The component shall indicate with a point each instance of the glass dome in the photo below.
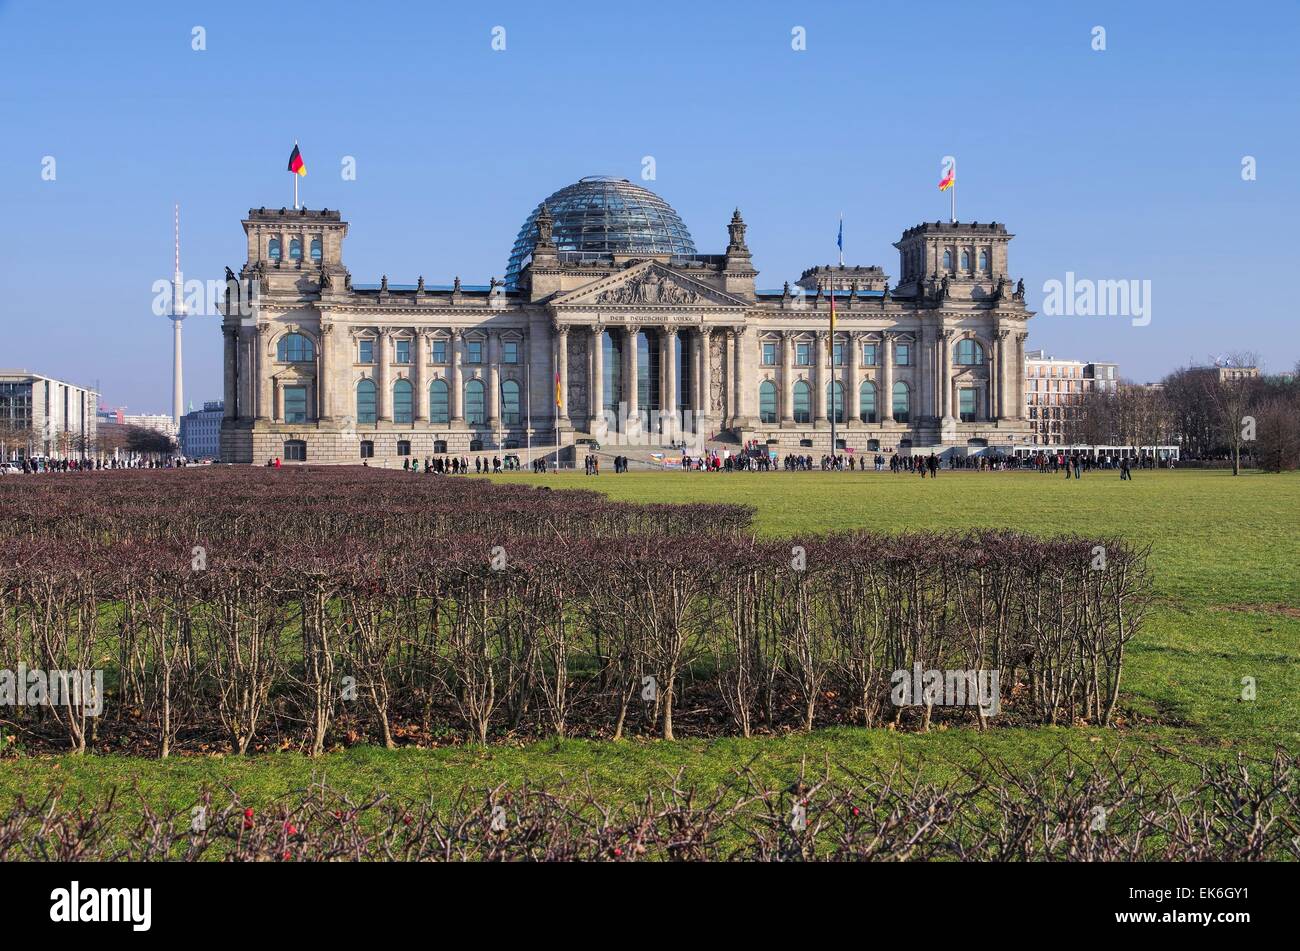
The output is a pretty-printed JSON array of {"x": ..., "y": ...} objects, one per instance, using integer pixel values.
[{"x": 600, "y": 214}]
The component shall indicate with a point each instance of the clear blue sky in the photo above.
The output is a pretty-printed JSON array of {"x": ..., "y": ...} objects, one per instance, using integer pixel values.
[{"x": 1123, "y": 164}]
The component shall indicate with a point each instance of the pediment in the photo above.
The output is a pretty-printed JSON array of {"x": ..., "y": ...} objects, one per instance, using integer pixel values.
[{"x": 649, "y": 284}]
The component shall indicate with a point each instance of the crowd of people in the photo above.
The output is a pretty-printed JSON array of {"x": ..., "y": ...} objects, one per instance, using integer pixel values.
[
  {"x": 1074, "y": 464},
  {"x": 30, "y": 466},
  {"x": 757, "y": 458}
]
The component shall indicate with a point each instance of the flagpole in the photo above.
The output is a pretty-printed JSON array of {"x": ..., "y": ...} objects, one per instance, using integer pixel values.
[
  {"x": 954, "y": 191},
  {"x": 296, "y": 176},
  {"x": 834, "y": 443}
]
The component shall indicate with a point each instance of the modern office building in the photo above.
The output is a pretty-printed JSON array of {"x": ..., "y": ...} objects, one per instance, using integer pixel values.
[
  {"x": 1055, "y": 388},
  {"x": 41, "y": 415},
  {"x": 609, "y": 324}
]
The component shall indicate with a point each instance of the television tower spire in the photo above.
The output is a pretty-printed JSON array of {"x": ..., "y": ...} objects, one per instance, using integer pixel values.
[{"x": 177, "y": 315}]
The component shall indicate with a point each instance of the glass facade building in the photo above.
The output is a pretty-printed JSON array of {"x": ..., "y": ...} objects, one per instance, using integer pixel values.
[{"x": 601, "y": 215}]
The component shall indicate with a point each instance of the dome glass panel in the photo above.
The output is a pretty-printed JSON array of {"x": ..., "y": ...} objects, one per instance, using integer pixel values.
[{"x": 602, "y": 215}]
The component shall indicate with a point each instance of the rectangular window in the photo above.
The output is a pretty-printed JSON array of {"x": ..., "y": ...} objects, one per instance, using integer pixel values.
[
  {"x": 510, "y": 351},
  {"x": 438, "y": 410},
  {"x": 967, "y": 404},
  {"x": 367, "y": 449},
  {"x": 403, "y": 447},
  {"x": 837, "y": 355},
  {"x": 474, "y": 351},
  {"x": 440, "y": 351},
  {"x": 769, "y": 354},
  {"x": 295, "y": 404},
  {"x": 903, "y": 355},
  {"x": 869, "y": 354},
  {"x": 403, "y": 351},
  {"x": 802, "y": 354},
  {"x": 366, "y": 351}
]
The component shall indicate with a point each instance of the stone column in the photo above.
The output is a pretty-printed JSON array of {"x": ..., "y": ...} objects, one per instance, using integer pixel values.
[
  {"x": 993, "y": 358},
  {"x": 494, "y": 380},
  {"x": 787, "y": 378},
  {"x": 629, "y": 394},
  {"x": 1019, "y": 374},
  {"x": 457, "y": 378},
  {"x": 596, "y": 391},
  {"x": 924, "y": 395},
  {"x": 562, "y": 367},
  {"x": 885, "y": 398},
  {"x": 325, "y": 395},
  {"x": 741, "y": 419},
  {"x": 265, "y": 407},
  {"x": 853, "y": 356},
  {"x": 231, "y": 337},
  {"x": 383, "y": 398},
  {"x": 420, "y": 375},
  {"x": 670, "y": 375},
  {"x": 704, "y": 408},
  {"x": 1005, "y": 376},
  {"x": 246, "y": 375},
  {"x": 820, "y": 381},
  {"x": 735, "y": 378},
  {"x": 945, "y": 372}
]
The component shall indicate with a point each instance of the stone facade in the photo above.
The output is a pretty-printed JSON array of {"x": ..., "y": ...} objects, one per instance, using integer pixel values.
[{"x": 322, "y": 369}]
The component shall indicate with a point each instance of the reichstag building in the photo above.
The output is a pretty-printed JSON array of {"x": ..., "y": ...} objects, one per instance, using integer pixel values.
[{"x": 610, "y": 324}]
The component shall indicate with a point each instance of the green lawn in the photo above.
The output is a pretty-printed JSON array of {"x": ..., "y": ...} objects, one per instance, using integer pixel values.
[{"x": 1226, "y": 557}]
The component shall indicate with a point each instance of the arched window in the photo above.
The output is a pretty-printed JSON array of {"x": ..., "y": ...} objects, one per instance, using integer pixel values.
[
  {"x": 984, "y": 261},
  {"x": 315, "y": 250},
  {"x": 510, "y": 411},
  {"x": 867, "y": 402},
  {"x": 969, "y": 352},
  {"x": 295, "y": 249},
  {"x": 438, "y": 408},
  {"x": 475, "y": 408},
  {"x": 947, "y": 260},
  {"x": 295, "y": 348},
  {"x": 366, "y": 401},
  {"x": 902, "y": 402},
  {"x": 767, "y": 402},
  {"x": 402, "y": 401},
  {"x": 835, "y": 401},
  {"x": 802, "y": 401},
  {"x": 273, "y": 249},
  {"x": 965, "y": 260}
]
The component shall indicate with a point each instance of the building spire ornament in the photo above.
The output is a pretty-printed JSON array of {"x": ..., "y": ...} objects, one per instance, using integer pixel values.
[
  {"x": 545, "y": 228},
  {"x": 736, "y": 230}
]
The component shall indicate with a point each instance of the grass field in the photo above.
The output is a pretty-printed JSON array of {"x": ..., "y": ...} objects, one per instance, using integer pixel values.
[{"x": 1226, "y": 559}]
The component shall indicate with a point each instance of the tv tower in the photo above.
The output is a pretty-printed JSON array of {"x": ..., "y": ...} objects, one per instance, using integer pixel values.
[{"x": 177, "y": 315}]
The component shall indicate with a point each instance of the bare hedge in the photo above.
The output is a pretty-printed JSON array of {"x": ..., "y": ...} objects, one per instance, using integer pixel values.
[{"x": 312, "y": 609}]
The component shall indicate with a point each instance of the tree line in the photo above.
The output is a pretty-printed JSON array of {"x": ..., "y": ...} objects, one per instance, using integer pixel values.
[{"x": 1223, "y": 413}]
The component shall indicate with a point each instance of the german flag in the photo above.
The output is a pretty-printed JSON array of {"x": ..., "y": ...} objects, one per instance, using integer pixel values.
[
  {"x": 949, "y": 179},
  {"x": 296, "y": 164},
  {"x": 559, "y": 393}
]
